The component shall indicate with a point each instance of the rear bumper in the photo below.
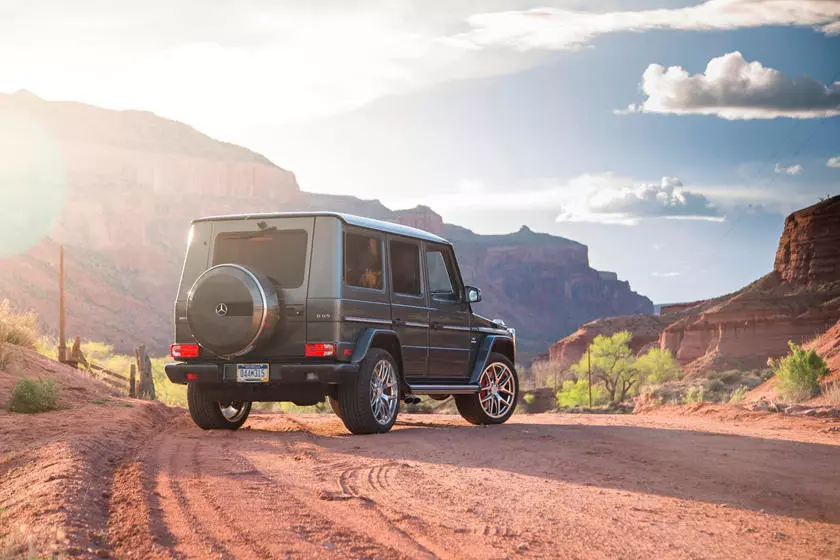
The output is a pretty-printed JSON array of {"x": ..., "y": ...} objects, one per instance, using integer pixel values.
[{"x": 279, "y": 374}]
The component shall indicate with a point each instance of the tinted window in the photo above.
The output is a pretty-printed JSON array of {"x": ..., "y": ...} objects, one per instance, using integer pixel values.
[
  {"x": 280, "y": 255},
  {"x": 441, "y": 278},
  {"x": 363, "y": 261},
  {"x": 405, "y": 268}
]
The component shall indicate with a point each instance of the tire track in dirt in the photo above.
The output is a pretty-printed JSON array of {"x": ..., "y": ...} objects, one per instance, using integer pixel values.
[{"x": 313, "y": 526}]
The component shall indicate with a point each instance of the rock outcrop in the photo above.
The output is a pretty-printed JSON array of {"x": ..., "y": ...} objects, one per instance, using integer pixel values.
[
  {"x": 798, "y": 301},
  {"x": 129, "y": 183},
  {"x": 646, "y": 330},
  {"x": 809, "y": 250}
]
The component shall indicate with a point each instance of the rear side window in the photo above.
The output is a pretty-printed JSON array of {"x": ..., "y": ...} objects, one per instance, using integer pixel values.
[
  {"x": 363, "y": 261},
  {"x": 405, "y": 268},
  {"x": 280, "y": 255}
]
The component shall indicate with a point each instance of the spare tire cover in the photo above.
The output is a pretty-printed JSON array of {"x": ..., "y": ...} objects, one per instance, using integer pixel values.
[{"x": 231, "y": 309}]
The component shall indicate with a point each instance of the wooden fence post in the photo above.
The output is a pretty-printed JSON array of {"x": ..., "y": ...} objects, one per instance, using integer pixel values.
[
  {"x": 132, "y": 392},
  {"x": 144, "y": 369}
]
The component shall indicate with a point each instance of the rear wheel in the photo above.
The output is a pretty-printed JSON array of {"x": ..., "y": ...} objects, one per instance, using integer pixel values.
[
  {"x": 496, "y": 400},
  {"x": 370, "y": 403},
  {"x": 210, "y": 414}
]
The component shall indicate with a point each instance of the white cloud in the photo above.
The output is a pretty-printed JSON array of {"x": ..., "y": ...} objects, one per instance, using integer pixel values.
[
  {"x": 558, "y": 29},
  {"x": 626, "y": 203},
  {"x": 592, "y": 197},
  {"x": 665, "y": 274},
  {"x": 790, "y": 170},
  {"x": 833, "y": 162},
  {"x": 276, "y": 62},
  {"x": 733, "y": 88}
]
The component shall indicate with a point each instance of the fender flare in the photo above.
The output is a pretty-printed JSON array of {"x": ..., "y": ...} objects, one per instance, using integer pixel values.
[
  {"x": 365, "y": 341},
  {"x": 483, "y": 356}
]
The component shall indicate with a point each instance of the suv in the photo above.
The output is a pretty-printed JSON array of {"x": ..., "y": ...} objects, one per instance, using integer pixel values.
[{"x": 302, "y": 306}]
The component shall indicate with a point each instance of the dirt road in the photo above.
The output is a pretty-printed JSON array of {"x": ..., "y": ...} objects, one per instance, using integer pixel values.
[{"x": 547, "y": 485}]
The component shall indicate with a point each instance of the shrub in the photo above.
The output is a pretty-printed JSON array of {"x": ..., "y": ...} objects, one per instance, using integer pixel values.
[
  {"x": 799, "y": 373},
  {"x": 529, "y": 398},
  {"x": 695, "y": 395},
  {"x": 738, "y": 394},
  {"x": 658, "y": 366},
  {"x": 714, "y": 386},
  {"x": 831, "y": 392},
  {"x": 576, "y": 393},
  {"x": 19, "y": 329},
  {"x": 30, "y": 396}
]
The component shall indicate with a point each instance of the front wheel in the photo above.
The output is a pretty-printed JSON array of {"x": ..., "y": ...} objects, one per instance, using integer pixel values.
[
  {"x": 210, "y": 414},
  {"x": 369, "y": 404},
  {"x": 496, "y": 399}
]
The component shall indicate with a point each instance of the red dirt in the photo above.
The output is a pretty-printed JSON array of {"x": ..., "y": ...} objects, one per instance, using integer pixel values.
[{"x": 683, "y": 482}]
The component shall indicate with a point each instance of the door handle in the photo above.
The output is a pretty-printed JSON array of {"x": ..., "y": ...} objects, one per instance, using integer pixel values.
[
  {"x": 398, "y": 322},
  {"x": 435, "y": 325}
]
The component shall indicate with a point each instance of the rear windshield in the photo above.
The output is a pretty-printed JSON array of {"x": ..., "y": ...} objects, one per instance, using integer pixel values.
[{"x": 280, "y": 255}]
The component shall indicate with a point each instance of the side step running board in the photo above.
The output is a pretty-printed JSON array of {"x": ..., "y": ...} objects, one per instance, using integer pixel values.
[{"x": 443, "y": 389}]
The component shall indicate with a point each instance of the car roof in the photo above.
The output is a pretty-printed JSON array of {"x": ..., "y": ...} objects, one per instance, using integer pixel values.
[{"x": 350, "y": 219}]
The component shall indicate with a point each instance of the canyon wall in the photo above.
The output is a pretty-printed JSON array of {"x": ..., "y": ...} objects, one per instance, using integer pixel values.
[
  {"x": 129, "y": 182},
  {"x": 798, "y": 301}
]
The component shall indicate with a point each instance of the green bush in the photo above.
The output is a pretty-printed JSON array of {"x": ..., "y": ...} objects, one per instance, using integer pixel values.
[
  {"x": 695, "y": 395},
  {"x": 799, "y": 373},
  {"x": 658, "y": 366},
  {"x": 576, "y": 393},
  {"x": 738, "y": 394},
  {"x": 714, "y": 386},
  {"x": 528, "y": 398},
  {"x": 30, "y": 396}
]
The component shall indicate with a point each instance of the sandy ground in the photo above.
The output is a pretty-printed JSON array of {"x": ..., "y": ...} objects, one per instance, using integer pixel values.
[{"x": 142, "y": 481}]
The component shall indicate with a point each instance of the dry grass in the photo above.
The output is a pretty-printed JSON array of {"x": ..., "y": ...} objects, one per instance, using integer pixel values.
[
  {"x": 831, "y": 392},
  {"x": 16, "y": 329}
]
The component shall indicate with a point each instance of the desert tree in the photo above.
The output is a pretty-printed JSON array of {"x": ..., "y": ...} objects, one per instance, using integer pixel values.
[{"x": 612, "y": 364}]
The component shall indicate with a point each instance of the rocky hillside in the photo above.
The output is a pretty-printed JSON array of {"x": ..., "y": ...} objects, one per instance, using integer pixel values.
[
  {"x": 127, "y": 183},
  {"x": 798, "y": 301}
]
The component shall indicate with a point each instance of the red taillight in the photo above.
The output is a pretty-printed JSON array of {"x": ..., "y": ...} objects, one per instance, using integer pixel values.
[
  {"x": 192, "y": 377},
  {"x": 183, "y": 351},
  {"x": 320, "y": 350}
]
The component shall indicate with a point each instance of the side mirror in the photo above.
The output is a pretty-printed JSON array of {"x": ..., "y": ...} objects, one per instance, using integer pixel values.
[{"x": 473, "y": 294}]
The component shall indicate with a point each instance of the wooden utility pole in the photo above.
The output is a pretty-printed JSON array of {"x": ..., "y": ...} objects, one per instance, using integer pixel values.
[
  {"x": 589, "y": 373},
  {"x": 62, "y": 346}
]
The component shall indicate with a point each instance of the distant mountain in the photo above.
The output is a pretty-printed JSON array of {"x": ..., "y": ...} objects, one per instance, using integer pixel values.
[{"x": 135, "y": 180}]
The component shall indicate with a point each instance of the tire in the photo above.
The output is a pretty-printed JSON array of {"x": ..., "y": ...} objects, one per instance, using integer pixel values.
[
  {"x": 208, "y": 413},
  {"x": 335, "y": 405},
  {"x": 354, "y": 398},
  {"x": 507, "y": 392}
]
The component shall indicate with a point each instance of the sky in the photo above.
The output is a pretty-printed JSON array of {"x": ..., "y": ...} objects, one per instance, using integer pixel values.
[{"x": 672, "y": 138}]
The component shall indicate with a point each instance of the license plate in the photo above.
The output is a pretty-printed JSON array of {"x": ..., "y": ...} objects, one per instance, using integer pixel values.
[{"x": 252, "y": 373}]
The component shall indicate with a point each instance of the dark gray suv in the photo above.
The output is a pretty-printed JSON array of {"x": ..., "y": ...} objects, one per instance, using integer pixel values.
[{"x": 306, "y": 306}]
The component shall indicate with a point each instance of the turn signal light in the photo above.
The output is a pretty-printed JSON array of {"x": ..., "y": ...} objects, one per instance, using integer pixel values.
[
  {"x": 183, "y": 351},
  {"x": 319, "y": 350}
]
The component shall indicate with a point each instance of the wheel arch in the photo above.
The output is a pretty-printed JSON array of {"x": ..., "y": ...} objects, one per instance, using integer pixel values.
[
  {"x": 384, "y": 339},
  {"x": 492, "y": 343}
]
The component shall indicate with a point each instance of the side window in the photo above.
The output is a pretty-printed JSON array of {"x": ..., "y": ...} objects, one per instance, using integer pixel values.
[
  {"x": 363, "y": 261},
  {"x": 442, "y": 282},
  {"x": 405, "y": 268}
]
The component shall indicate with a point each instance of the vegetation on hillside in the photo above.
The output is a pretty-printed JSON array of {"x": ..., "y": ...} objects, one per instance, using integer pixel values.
[
  {"x": 30, "y": 396},
  {"x": 798, "y": 374},
  {"x": 16, "y": 329}
]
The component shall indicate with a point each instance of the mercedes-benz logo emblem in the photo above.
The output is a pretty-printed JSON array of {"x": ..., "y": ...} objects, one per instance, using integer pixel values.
[{"x": 222, "y": 309}]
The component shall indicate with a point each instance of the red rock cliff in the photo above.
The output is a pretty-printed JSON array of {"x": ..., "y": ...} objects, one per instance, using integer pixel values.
[
  {"x": 796, "y": 302},
  {"x": 809, "y": 250}
]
